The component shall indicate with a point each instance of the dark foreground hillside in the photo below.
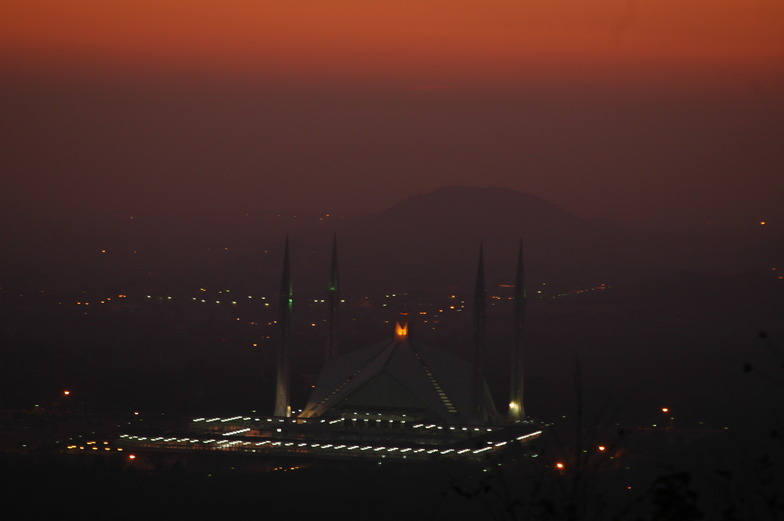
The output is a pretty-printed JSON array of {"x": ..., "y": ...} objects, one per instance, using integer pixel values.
[{"x": 578, "y": 470}]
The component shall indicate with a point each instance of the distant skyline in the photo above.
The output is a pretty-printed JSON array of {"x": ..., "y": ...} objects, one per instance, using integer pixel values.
[{"x": 663, "y": 114}]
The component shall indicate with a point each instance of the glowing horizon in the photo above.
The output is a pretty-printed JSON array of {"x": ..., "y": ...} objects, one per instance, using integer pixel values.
[{"x": 496, "y": 40}]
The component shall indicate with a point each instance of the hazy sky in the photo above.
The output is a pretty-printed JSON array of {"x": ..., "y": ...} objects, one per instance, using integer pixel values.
[{"x": 661, "y": 112}]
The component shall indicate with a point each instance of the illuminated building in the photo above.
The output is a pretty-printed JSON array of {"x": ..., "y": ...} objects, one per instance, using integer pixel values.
[
  {"x": 396, "y": 378},
  {"x": 397, "y": 399}
]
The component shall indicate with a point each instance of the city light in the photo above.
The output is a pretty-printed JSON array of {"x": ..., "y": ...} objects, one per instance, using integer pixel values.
[
  {"x": 401, "y": 331},
  {"x": 559, "y": 466}
]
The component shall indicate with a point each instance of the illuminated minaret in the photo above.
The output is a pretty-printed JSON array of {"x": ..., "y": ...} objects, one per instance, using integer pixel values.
[
  {"x": 480, "y": 298},
  {"x": 516, "y": 406},
  {"x": 333, "y": 301},
  {"x": 286, "y": 298}
]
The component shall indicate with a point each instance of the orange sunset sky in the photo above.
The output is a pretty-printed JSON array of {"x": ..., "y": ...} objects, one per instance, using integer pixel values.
[
  {"x": 624, "y": 109},
  {"x": 444, "y": 39}
]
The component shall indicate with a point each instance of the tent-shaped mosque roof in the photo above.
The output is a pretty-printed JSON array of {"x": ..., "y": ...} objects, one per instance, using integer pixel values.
[{"x": 399, "y": 376}]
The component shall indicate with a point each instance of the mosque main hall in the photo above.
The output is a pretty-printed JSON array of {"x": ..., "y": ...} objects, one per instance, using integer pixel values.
[{"x": 398, "y": 399}]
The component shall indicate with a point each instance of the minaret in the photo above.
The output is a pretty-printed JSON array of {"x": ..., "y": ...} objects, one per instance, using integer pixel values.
[
  {"x": 333, "y": 300},
  {"x": 480, "y": 298},
  {"x": 286, "y": 297},
  {"x": 516, "y": 406}
]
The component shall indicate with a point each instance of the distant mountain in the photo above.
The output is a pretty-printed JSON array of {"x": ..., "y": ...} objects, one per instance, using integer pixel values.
[
  {"x": 425, "y": 242},
  {"x": 432, "y": 240},
  {"x": 478, "y": 211}
]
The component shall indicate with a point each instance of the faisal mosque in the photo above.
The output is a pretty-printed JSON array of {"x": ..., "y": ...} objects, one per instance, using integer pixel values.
[{"x": 397, "y": 399}]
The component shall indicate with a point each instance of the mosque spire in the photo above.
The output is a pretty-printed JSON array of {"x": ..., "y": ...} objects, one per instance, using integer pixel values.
[
  {"x": 516, "y": 406},
  {"x": 479, "y": 338},
  {"x": 286, "y": 298},
  {"x": 333, "y": 301}
]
